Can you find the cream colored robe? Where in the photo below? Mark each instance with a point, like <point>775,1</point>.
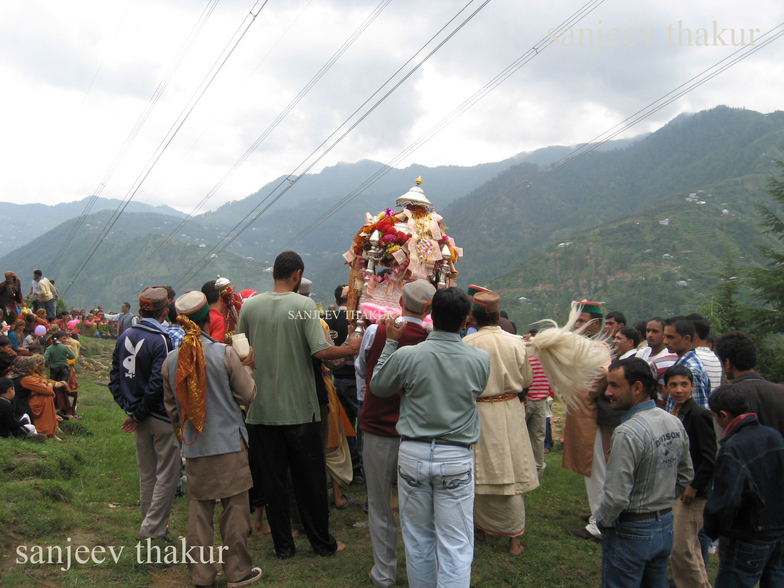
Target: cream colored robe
<point>505,465</point>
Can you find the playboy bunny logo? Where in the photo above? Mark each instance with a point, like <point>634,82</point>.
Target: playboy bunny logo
<point>129,363</point>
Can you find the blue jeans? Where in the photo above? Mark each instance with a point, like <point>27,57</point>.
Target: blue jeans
<point>747,562</point>
<point>705,543</point>
<point>637,554</point>
<point>50,306</point>
<point>548,435</point>
<point>436,497</point>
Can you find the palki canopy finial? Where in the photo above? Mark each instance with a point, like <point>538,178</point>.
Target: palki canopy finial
<point>415,197</point>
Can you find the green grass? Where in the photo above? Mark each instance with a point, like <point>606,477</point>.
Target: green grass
<point>86,489</point>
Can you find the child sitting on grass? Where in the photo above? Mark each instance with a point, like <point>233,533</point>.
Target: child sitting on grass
<point>10,424</point>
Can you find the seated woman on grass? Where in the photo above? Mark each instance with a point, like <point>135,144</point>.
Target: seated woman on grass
<point>35,393</point>
<point>17,336</point>
<point>76,347</point>
<point>87,327</point>
<point>58,356</point>
<point>40,318</point>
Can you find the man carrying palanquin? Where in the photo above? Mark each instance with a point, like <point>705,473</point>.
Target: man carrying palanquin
<point>505,465</point>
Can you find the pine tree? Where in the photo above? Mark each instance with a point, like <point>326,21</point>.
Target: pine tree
<point>721,308</point>
<point>768,283</point>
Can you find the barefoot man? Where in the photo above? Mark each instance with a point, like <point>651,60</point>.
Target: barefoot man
<point>505,465</point>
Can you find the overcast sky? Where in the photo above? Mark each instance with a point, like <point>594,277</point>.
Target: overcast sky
<point>76,77</point>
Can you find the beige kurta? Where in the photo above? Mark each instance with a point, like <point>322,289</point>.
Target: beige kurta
<point>505,465</point>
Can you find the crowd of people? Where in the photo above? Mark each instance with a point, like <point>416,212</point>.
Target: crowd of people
<point>680,443</point>
<point>678,438</point>
<point>35,338</point>
<point>39,348</point>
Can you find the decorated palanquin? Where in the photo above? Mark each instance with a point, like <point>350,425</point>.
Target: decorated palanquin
<point>396,247</point>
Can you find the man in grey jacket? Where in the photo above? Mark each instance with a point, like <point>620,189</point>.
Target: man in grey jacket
<point>205,385</point>
<point>649,467</point>
<point>125,320</point>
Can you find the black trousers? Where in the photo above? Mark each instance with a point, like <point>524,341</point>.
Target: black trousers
<point>59,373</point>
<point>298,449</point>
<point>255,456</point>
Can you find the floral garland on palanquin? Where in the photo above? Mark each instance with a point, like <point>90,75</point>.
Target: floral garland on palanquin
<point>424,240</point>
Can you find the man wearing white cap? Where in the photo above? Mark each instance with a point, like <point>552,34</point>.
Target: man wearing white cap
<point>204,385</point>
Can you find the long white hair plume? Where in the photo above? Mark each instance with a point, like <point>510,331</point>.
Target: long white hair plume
<point>570,359</point>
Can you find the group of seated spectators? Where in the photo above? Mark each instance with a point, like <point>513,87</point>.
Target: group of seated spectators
<point>34,338</point>
<point>37,403</point>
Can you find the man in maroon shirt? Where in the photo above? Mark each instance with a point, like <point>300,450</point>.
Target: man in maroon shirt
<point>380,441</point>
<point>217,322</point>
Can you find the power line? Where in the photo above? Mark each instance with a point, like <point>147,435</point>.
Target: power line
<point>176,126</point>
<point>451,117</point>
<point>272,126</point>
<point>295,176</point>
<point>696,81</point>
<point>261,61</point>
<point>84,98</point>
<point>151,103</point>
<point>283,34</point>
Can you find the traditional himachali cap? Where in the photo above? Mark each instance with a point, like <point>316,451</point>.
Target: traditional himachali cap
<point>153,298</point>
<point>595,307</point>
<point>418,296</point>
<point>305,286</point>
<point>248,293</point>
<point>487,302</point>
<point>193,304</point>
<point>191,380</point>
<point>472,290</point>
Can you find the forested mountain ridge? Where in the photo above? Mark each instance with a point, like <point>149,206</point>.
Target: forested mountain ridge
<point>689,153</point>
<point>108,278</point>
<point>24,222</point>
<point>660,261</point>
